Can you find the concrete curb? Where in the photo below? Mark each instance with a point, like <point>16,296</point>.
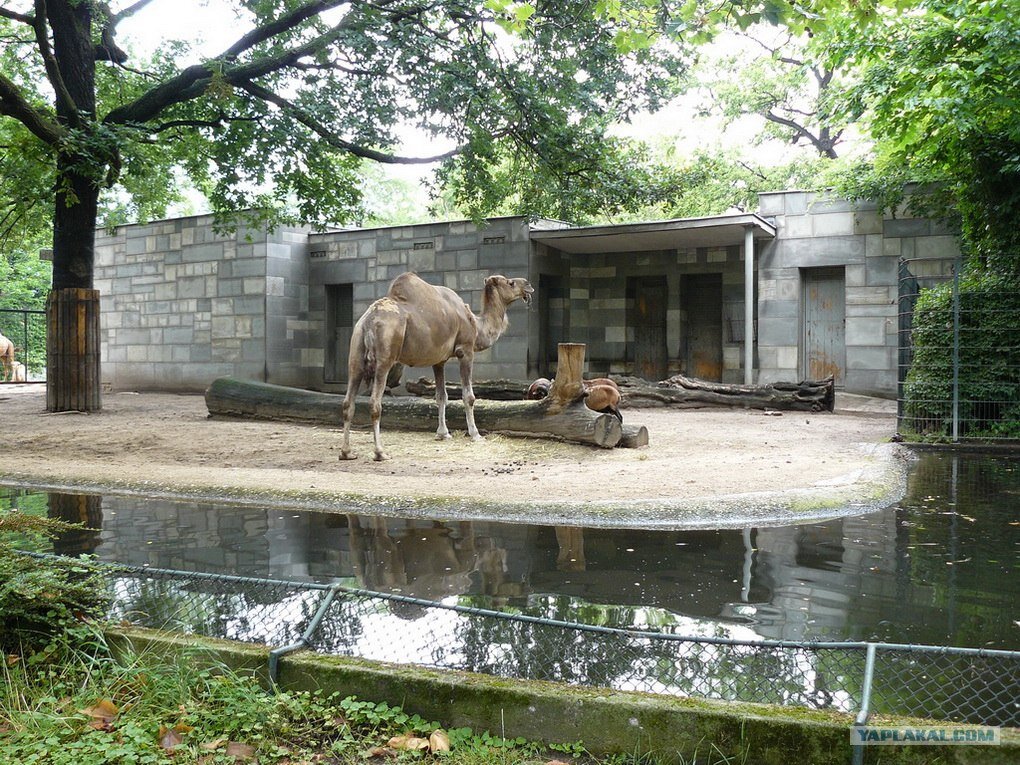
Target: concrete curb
<point>607,722</point>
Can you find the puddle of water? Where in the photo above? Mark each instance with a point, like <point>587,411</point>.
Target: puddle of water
<point>938,568</point>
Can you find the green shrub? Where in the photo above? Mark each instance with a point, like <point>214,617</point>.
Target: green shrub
<point>46,604</point>
<point>989,363</point>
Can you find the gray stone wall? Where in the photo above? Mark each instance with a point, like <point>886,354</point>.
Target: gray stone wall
<point>182,305</point>
<point>458,255</point>
<point>601,312</point>
<point>817,230</point>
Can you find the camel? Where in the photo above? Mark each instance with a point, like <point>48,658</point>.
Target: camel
<point>18,373</point>
<point>418,324</point>
<point>6,358</point>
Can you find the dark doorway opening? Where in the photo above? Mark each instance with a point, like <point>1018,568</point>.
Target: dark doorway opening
<point>701,298</point>
<point>647,298</point>
<point>339,327</point>
<point>552,320</point>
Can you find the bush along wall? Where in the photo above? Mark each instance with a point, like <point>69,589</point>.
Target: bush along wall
<point>989,360</point>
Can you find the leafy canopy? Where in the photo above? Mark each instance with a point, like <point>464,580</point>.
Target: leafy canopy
<point>281,120</point>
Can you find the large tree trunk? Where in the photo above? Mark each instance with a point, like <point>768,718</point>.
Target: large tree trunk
<point>73,373</point>
<point>72,351</point>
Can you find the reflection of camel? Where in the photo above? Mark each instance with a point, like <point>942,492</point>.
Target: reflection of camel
<point>6,358</point>
<point>427,562</point>
<point>418,325</point>
<point>570,556</point>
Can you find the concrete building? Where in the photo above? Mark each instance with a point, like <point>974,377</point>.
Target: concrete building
<point>805,287</point>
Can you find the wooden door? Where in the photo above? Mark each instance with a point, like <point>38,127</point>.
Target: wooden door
<point>648,318</point>
<point>824,323</point>
<point>701,300</point>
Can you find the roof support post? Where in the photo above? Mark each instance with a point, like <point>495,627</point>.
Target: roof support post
<point>748,305</point>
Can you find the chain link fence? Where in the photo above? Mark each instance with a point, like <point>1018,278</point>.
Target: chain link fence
<point>950,684</point>
<point>959,354</point>
<point>27,330</point>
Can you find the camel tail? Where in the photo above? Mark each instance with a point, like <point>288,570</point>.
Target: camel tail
<point>369,344</point>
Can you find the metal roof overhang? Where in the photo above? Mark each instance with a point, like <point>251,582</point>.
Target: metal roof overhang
<point>716,231</point>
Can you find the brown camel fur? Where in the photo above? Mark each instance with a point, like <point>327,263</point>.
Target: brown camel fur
<point>6,358</point>
<point>419,325</point>
<point>601,394</point>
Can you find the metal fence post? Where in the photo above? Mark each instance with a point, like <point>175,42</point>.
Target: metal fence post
<point>956,352</point>
<point>305,640</point>
<point>865,711</point>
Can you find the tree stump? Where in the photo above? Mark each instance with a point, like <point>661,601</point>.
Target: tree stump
<point>72,351</point>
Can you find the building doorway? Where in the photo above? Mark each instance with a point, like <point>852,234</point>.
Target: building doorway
<point>823,331</point>
<point>552,320</point>
<point>648,296</point>
<point>701,299</point>
<point>339,328</point>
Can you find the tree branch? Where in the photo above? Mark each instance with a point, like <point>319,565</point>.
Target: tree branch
<point>13,104</point>
<point>65,102</point>
<point>24,18</point>
<point>192,81</point>
<point>801,132</point>
<point>273,28</point>
<point>332,139</point>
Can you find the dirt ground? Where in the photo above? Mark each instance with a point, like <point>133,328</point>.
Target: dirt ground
<point>701,467</point>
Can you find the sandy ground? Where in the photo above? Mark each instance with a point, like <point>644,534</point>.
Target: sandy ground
<point>706,467</point>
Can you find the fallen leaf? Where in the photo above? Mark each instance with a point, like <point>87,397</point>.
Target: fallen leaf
<point>439,741</point>
<point>104,709</point>
<point>407,741</point>
<point>240,751</point>
<point>556,762</point>
<point>212,746</point>
<point>12,659</point>
<point>169,738</point>
<point>382,751</point>
<point>103,714</point>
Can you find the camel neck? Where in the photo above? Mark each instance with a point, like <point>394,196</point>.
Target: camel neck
<point>492,322</point>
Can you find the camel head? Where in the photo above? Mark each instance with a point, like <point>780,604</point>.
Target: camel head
<point>508,290</point>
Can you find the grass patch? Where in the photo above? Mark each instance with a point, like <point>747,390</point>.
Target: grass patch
<point>149,708</point>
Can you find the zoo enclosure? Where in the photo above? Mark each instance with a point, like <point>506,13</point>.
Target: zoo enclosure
<point>26,328</point>
<point>959,355</point>
<point>963,685</point>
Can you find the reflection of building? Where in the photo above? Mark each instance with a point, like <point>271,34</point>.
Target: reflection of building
<point>849,578</point>
<point>803,288</point>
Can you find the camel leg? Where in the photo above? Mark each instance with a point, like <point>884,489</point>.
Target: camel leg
<point>468,396</point>
<point>378,386</point>
<point>353,385</point>
<point>440,372</point>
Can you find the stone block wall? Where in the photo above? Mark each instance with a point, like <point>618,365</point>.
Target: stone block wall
<point>601,311</point>
<point>458,255</point>
<point>182,304</point>
<point>818,230</point>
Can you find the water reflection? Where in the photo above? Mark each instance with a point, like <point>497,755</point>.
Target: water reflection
<point>934,569</point>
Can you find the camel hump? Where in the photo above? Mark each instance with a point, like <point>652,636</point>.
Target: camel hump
<point>411,288</point>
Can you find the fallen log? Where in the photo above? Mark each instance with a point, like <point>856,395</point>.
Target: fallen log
<point>690,392</point>
<point>231,397</point>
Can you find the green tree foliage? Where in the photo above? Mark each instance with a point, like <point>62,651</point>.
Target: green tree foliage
<point>939,90</point>
<point>278,122</point>
<point>779,78</point>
